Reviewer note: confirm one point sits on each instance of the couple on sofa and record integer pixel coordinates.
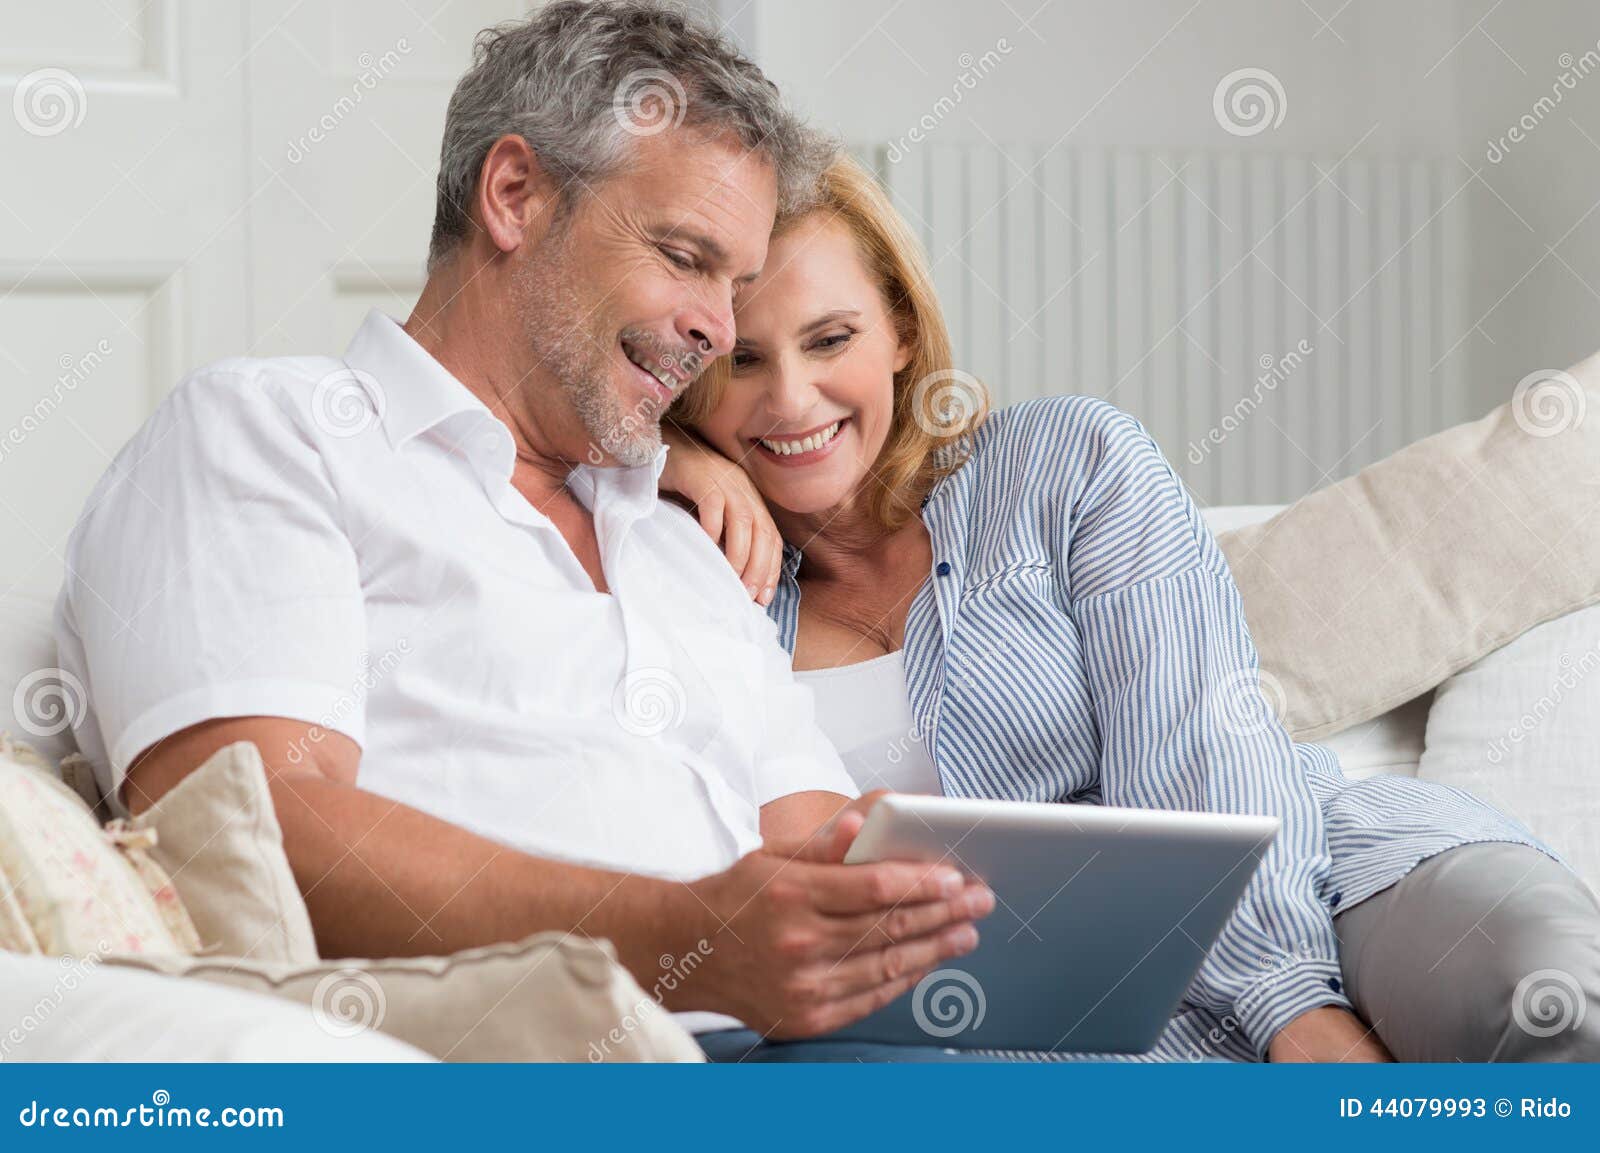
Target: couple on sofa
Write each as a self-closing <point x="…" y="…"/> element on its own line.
<point x="501" y="686"/>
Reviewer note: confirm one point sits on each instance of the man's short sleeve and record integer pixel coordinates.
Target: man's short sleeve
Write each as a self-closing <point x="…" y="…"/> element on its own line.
<point x="210" y="576"/>
<point x="797" y="756"/>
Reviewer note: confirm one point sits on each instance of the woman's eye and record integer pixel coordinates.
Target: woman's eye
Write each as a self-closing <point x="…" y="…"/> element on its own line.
<point x="836" y="341"/>
<point x="741" y="360"/>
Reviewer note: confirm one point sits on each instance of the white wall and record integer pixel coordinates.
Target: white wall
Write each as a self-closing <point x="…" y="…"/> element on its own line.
<point x="171" y="207"/>
<point x="1434" y="80"/>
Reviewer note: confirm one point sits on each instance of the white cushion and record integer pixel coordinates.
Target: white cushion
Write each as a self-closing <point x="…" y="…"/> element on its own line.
<point x="1389" y="743"/>
<point x="1521" y="729"/>
<point x="75" y="1009"/>
<point x="34" y="702"/>
<point x="1227" y="517"/>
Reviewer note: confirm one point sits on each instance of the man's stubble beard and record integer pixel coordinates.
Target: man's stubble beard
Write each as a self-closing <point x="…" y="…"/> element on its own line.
<point x="567" y="338"/>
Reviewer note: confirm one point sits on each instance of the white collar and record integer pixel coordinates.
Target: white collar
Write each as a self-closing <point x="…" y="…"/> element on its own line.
<point x="415" y="393"/>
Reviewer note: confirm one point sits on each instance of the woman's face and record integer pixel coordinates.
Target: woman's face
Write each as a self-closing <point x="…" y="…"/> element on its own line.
<point x="811" y="398"/>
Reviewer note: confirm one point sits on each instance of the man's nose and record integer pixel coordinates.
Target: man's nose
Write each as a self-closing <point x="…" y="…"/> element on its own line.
<point x="709" y="326"/>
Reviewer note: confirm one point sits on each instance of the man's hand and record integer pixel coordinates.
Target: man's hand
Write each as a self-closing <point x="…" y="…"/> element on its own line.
<point x="808" y="944"/>
<point x="802" y="944"/>
<point x="1328" y="1034"/>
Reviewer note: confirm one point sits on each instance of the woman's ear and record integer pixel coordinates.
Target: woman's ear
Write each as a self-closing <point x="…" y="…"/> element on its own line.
<point x="902" y="354"/>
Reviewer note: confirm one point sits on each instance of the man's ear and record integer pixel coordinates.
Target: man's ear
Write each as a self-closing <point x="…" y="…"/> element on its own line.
<point x="514" y="194"/>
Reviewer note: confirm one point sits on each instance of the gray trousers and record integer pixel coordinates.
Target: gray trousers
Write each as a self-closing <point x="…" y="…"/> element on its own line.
<point x="1485" y="952"/>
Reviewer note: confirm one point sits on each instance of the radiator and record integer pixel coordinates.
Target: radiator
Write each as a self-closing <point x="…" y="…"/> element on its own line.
<point x="1276" y="321"/>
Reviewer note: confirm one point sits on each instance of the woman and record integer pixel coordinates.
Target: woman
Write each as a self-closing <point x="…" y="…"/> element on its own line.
<point x="1027" y="605"/>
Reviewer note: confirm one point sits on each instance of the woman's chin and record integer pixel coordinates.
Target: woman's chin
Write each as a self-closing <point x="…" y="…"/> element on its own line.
<point x="805" y="499"/>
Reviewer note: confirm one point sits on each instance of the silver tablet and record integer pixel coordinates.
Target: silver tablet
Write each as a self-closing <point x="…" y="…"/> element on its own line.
<point x="1102" y="917"/>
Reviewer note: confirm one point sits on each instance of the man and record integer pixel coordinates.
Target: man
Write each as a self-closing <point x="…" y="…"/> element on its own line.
<point x="498" y="685"/>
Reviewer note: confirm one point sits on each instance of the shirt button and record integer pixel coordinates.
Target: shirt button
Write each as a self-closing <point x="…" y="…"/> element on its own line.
<point x="943" y="569"/>
<point x="1334" y="900"/>
<point x="1333" y="983"/>
<point x="925" y="501"/>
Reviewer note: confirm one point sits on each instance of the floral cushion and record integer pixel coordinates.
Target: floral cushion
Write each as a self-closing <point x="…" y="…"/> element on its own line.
<point x="70" y="887"/>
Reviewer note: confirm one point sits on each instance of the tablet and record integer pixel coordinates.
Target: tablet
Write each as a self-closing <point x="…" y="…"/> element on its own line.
<point x="1102" y="917"/>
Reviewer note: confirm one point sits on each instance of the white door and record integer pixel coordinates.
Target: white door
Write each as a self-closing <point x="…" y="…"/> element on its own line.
<point x="183" y="181"/>
<point x="124" y="211"/>
<point x="345" y="148"/>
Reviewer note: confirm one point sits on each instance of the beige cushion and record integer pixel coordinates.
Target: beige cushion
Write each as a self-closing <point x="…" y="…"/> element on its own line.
<point x="1390" y="743"/>
<point x="219" y="839"/>
<point x="1370" y="592"/>
<point x="69" y="887"/>
<point x="551" y="997"/>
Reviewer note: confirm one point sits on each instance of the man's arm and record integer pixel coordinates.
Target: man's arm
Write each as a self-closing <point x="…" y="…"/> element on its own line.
<point x="383" y="879"/>
<point x="794" y="818"/>
<point x="797" y="943"/>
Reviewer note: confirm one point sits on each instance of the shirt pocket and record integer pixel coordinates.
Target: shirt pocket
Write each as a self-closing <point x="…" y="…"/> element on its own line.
<point x="1029" y="569"/>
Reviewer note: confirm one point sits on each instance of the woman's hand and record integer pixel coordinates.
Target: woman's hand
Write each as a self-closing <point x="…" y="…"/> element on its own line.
<point x="1329" y="1034"/>
<point x="729" y="507"/>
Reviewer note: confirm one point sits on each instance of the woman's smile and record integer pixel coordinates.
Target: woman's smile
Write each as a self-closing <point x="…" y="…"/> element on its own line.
<point x="796" y="450"/>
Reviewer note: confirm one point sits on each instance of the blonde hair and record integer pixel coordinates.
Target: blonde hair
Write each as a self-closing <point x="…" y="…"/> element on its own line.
<point x="937" y="407"/>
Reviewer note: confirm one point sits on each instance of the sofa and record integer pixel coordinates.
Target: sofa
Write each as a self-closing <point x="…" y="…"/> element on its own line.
<point x="1434" y="616"/>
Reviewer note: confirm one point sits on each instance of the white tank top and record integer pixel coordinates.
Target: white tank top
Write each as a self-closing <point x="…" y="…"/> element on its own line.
<point x="864" y="710"/>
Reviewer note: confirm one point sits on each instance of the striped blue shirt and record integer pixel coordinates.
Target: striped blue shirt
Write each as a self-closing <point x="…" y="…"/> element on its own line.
<point x="1080" y="639"/>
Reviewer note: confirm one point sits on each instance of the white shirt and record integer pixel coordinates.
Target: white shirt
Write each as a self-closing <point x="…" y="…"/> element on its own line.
<point x="289" y="537"/>
<point x="864" y="710"/>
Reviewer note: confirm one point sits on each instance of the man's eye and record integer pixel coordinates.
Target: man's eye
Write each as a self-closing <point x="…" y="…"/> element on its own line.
<point x="679" y="258"/>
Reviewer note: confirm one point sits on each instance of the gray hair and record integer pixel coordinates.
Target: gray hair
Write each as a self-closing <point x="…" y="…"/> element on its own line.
<point x="578" y="80"/>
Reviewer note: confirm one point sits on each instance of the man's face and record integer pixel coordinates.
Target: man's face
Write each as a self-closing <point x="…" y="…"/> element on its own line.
<point x="630" y="294"/>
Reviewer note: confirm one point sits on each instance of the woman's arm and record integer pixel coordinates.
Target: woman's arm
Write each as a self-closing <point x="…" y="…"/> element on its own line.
<point x="729" y="507"/>
<point x="1183" y="725"/>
